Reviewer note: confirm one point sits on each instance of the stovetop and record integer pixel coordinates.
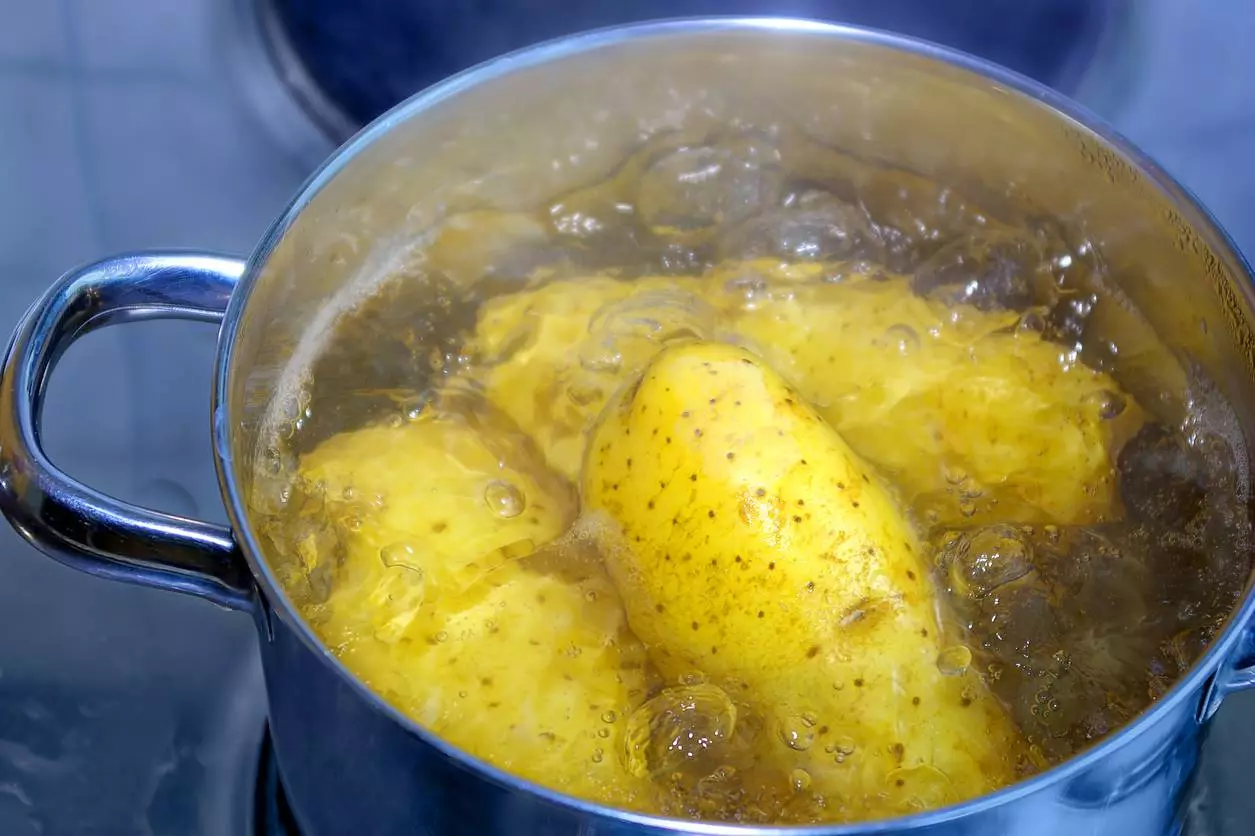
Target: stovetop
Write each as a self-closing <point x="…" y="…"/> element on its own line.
<point x="129" y="124"/>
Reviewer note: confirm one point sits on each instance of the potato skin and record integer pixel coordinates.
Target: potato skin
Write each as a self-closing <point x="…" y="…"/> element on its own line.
<point x="444" y="606"/>
<point x="755" y="548"/>
<point x="973" y="418"/>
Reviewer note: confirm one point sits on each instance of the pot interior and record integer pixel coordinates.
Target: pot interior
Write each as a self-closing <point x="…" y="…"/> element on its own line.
<point x="838" y="150"/>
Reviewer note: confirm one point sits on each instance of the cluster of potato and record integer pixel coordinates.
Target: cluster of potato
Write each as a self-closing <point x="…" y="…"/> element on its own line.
<point x="634" y="490"/>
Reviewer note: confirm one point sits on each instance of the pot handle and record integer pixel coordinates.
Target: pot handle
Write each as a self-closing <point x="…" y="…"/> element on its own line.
<point x="68" y="520"/>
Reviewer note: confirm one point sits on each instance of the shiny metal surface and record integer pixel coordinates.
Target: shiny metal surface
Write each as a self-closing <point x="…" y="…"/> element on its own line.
<point x="443" y="150"/>
<point x="1164" y="777"/>
<point x="63" y="517"/>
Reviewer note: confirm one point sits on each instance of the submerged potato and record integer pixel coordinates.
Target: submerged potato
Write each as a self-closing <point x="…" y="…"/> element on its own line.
<point x="971" y="418"/>
<point x="756" y="548"/>
<point x="550" y="358"/>
<point x="438" y="602"/>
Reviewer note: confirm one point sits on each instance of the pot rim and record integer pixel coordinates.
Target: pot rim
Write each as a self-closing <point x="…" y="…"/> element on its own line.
<point x="1191" y="686"/>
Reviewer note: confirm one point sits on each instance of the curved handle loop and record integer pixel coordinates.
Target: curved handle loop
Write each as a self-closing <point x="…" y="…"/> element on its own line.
<point x="68" y="520"/>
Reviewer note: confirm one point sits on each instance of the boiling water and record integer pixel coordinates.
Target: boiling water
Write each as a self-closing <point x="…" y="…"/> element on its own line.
<point x="1077" y="606"/>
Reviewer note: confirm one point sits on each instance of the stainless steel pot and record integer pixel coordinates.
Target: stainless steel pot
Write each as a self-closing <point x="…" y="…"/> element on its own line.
<point x="528" y="126"/>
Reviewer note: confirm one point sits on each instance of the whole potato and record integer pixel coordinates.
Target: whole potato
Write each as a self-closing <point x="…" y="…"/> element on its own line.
<point x="751" y="546"/>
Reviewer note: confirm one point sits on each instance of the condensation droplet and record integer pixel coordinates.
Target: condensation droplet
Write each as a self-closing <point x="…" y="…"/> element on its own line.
<point x="603" y="733"/>
<point x="796" y="733"/>
<point x="597" y="755"/>
<point x="609" y="717"/>
<point x="954" y="660"/>
<point x="503" y="499"/>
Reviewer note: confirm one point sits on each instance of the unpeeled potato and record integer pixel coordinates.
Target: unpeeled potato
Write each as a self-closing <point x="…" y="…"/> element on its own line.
<point x="972" y="418"/>
<point x="440" y="602"/>
<point x="551" y="357"/>
<point x="753" y="547"/>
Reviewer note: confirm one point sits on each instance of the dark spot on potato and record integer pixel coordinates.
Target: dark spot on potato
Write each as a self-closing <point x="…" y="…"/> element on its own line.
<point x="865" y="479"/>
<point x="924" y="632"/>
<point x="714" y="561"/>
<point x="900" y="782"/>
<point x="747" y="361"/>
<point x="854" y="503"/>
<point x="729" y="455"/>
<point x="812" y="651"/>
<point x="684" y="414"/>
<point x="493" y="705"/>
<point x="736" y="403"/>
<point x="667" y="557"/>
<point x="803" y="462"/>
<point x="965" y="701"/>
<point x="822" y="731"/>
<point x="438" y="527"/>
<point x="810" y="586"/>
<point x="486" y="681"/>
<point x="696" y="625"/>
<point x="712" y="401"/>
<point x="615" y="486"/>
<point x="737" y="558"/>
<point x="714" y="651"/>
<point x="711" y="513"/>
<point x="697" y="433"/>
<point x="796" y="518"/>
<point x="638" y="538"/>
<point x="629" y="464"/>
<point x="910" y="574"/>
<point x="760" y="613"/>
<point x="771" y="565"/>
<point x="914" y="700"/>
<point x="841" y="486"/>
<point x="801" y="503"/>
<point x="858" y="683"/>
<point x="668" y="439"/>
<point x="540" y="598"/>
<point x="898" y="750"/>
<point x="692" y="477"/>
<point x="760" y="493"/>
<point x="650" y="505"/>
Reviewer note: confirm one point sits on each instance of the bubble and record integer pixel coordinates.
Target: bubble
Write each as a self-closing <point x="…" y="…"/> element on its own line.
<point x="597" y="756"/>
<point x="954" y="660"/>
<point x="902" y="339"/>
<point x="980" y="561"/>
<point x="583" y="392"/>
<point x="696" y="188"/>
<point x="400" y="555"/>
<point x="796" y="732"/>
<point x="503" y="499"/>
<point x="800" y="780"/>
<point x="603" y="733"/>
<point x="1106" y="403"/>
<point x="609" y="716"/>
<point x="681" y="727"/>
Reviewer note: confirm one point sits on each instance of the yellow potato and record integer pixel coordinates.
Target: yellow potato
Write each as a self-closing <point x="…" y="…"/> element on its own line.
<point x="551" y="357"/>
<point x="438" y="603"/>
<point x="756" y="549"/>
<point x="970" y="418"/>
